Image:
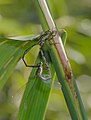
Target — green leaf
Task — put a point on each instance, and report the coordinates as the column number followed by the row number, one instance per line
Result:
column 35, row 98
column 10, row 53
column 63, row 35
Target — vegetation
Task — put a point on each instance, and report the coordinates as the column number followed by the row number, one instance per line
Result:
column 24, row 20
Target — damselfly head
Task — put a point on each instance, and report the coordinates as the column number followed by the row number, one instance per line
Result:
column 53, row 32
column 49, row 34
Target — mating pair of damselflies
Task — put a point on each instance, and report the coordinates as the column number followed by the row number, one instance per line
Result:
column 42, row 38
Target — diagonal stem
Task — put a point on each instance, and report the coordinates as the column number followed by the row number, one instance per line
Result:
column 69, row 87
column 57, row 39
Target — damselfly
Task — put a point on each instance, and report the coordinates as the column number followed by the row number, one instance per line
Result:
column 44, row 36
column 41, row 40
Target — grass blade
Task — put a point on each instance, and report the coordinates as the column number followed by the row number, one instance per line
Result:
column 10, row 53
column 35, row 98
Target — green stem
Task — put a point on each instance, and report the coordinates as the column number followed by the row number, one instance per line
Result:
column 59, row 58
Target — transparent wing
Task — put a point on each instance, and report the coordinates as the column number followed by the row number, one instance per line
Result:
column 24, row 38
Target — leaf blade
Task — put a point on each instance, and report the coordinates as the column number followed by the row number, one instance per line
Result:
column 10, row 52
column 36, row 96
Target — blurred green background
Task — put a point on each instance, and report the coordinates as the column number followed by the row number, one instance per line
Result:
column 18, row 17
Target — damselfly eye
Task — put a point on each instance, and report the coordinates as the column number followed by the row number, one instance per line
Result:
column 54, row 32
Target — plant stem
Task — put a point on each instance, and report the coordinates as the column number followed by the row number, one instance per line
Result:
column 57, row 39
column 59, row 57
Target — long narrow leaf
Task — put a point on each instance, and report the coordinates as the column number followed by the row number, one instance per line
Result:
column 35, row 98
column 10, row 53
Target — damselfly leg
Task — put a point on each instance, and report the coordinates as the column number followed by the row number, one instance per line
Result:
column 39, row 67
